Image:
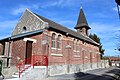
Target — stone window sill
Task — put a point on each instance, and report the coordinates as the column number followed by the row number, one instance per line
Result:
column 54, row 54
column 53, row 48
column 77, row 56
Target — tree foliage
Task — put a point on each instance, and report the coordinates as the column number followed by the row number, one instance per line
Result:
column 97, row 39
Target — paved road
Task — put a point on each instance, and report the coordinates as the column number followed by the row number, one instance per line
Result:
column 1, row 78
column 112, row 73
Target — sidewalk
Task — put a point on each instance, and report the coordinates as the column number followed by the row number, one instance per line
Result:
column 112, row 73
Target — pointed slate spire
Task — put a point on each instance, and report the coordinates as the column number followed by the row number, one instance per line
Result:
column 82, row 22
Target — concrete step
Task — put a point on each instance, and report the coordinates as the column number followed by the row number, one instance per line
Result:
column 16, row 76
column 17, row 73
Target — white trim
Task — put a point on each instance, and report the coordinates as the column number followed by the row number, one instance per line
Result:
column 34, row 15
column 54, row 54
column 86, row 57
column 74, row 51
column 77, row 51
column 58, row 49
column 68, row 47
column 77, row 56
column 30, row 39
column 53, row 48
column 39, row 66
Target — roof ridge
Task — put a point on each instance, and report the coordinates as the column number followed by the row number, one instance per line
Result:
column 54, row 22
column 60, row 27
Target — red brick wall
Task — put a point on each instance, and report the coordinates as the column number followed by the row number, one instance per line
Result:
column 18, row 51
column 68, row 55
column 37, row 47
column 0, row 49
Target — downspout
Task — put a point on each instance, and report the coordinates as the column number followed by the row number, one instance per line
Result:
column 8, row 52
column 3, row 48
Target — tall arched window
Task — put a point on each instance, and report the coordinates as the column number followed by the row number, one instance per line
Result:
column 53, row 40
column 59, row 42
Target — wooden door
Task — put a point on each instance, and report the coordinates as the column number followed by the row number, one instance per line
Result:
column 28, row 52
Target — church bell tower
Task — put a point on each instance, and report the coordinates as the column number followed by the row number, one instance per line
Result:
column 82, row 25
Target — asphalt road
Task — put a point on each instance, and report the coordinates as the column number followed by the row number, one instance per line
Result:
column 112, row 73
column 1, row 78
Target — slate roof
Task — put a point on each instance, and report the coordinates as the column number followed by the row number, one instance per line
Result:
column 21, row 35
column 57, row 26
column 82, row 22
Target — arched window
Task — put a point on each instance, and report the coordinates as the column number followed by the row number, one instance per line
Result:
column 24, row 29
column 53, row 40
column 59, row 42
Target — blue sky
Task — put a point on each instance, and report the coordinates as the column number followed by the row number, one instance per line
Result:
column 101, row 15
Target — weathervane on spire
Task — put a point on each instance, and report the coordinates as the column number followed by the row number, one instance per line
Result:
column 118, row 4
column 81, row 4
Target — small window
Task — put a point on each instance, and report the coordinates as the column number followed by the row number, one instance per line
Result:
column 24, row 30
column 59, row 41
column 53, row 40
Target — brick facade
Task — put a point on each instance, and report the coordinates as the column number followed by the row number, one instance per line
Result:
column 79, row 52
column 85, row 53
column 0, row 48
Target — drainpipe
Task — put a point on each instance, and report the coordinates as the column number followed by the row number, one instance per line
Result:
column 3, row 48
column 83, row 59
column 8, row 52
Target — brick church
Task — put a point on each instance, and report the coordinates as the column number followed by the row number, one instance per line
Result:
column 35, row 35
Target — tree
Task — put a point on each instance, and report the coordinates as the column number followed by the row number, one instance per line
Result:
column 97, row 39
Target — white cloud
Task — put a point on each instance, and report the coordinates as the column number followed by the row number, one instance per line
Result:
column 22, row 8
column 4, row 36
column 115, row 9
column 6, row 28
column 8, row 24
column 107, row 33
column 66, row 22
column 57, row 3
column 111, row 52
column 100, row 27
column 61, row 3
